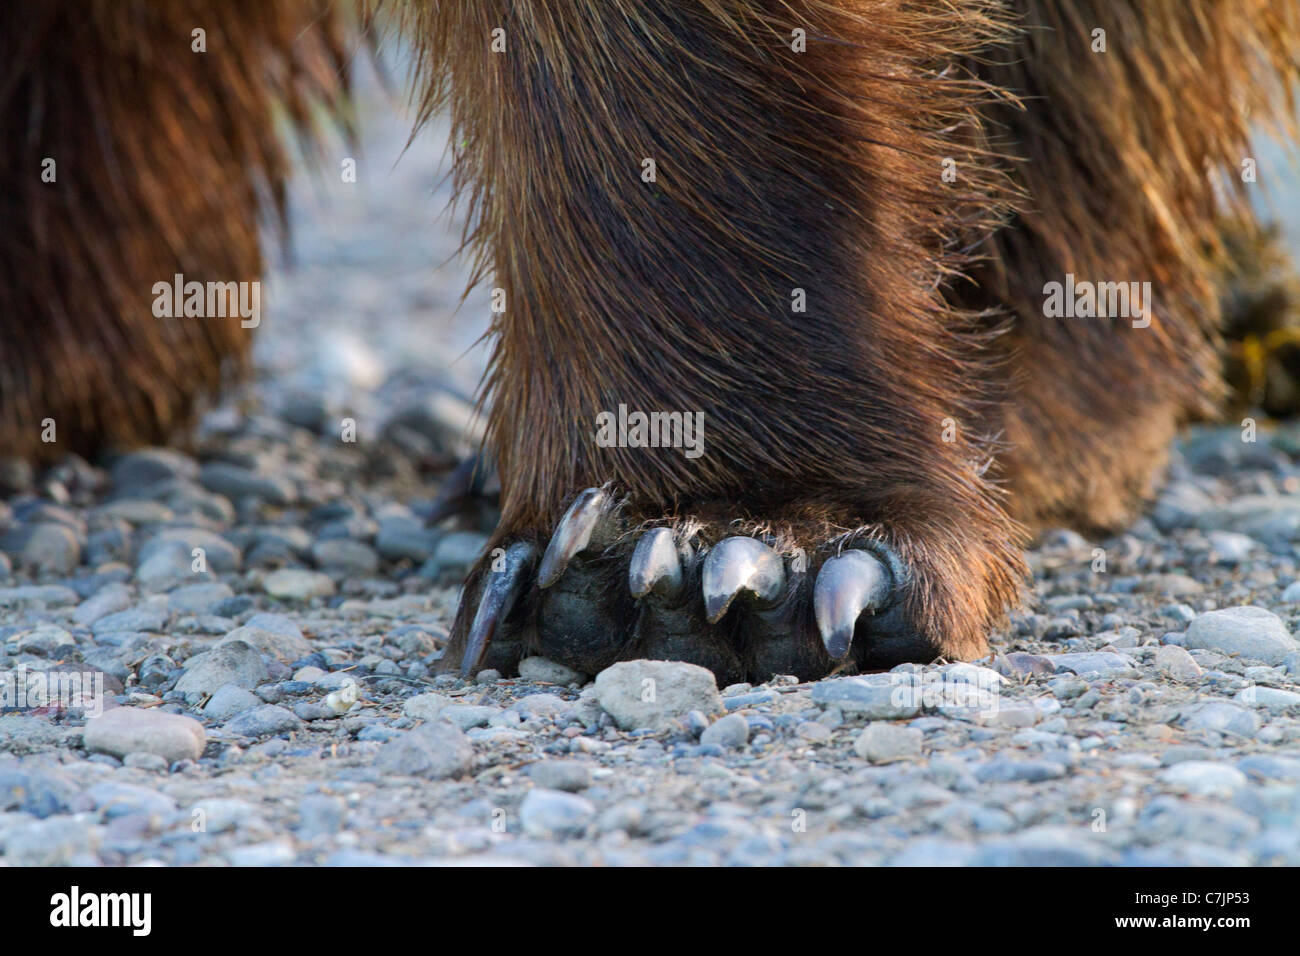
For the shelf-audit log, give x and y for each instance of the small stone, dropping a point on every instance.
(455, 553)
(1174, 661)
(435, 751)
(284, 647)
(551, 814)
(234, 481)
(727, 732)
(1273, 699)
(885, 742)
(468, 716)
(567, 775)
(60, 841)
(426, 706)
(655, 694)
(345, 556)
(295, 584)
(146, 761)
(127, 730)
(878, 697)
(320, 815)
(1203, 778)
(228, 700)
(1223, 717)
(264, 721)
(1247, 631)
(1008, 770)
(1095, 664)
(549, 672)
(231, 662)
(51, 549)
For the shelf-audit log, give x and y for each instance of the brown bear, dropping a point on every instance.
(814, 309)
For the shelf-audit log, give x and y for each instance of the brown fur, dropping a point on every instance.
(777, 170)
(922, 399)
(164, 158)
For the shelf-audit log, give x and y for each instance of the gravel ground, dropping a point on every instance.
(268, 699)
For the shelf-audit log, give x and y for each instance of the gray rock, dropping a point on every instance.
(567, 775)
(656, 694)
(41, 793)
(1203, 778)
(551, 814)
(231, 662)
(454, 553)
(128, 730)
(727, 732)
(1046, 846)
(1223, 717)
(142, 617)
(435, 751)
(546, 671)
(295, 584)
(228, 700)
(140, 470)
(198, 598)
(51, 549)
(1007, 770)
(427, 706)
(320, 815)
(1104, 664)
(468, 716)
(107, 600)
(264, 721)
(875, 697)
(60, 841)
(403, 540)
(48, 595)
(345, 556)
(884, 742)
(1250, 632)
(283, 646)
(1273, 699)
(218, 554)
(1174, 661)
(236, 482)
(46, 640)
(167, 566)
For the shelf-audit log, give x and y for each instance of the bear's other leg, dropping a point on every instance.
(734, 210)
(1135, 141)
(140, 142)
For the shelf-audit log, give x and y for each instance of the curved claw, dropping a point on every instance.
(572, 534)
(655, 565)
(847, 585)
(502, 590)
(739, 564)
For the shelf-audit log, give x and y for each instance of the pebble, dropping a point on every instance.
(282, 645)
(265, 720)
(549, 672)
(345, 556)
(1223, 717)
(552, 814)
(885, 743)
(129, 730)
(567, 775)
(295, 584)
(1174, 661)
(435, 751)
(1272, 699)
(228, 700)
(1250, 632)
(656, 694)
(1203, 778)
(871, 698)
(230, 662)
(727, 732)
(51, 549)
